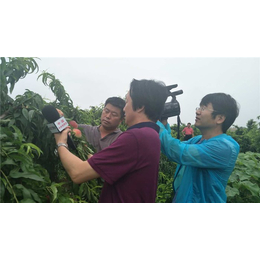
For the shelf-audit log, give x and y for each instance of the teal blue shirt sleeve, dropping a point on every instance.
(213, 153)
(163, 127)
(167, 127)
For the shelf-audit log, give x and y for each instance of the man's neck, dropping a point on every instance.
(209, 133)
(104, 132)
(140, 120)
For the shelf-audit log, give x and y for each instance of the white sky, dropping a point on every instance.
(90, 81)
(94, 35)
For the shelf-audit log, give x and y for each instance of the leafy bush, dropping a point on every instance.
(165, 180)
(29, 170)
(244, 182)
(22, 180)
(248, 137)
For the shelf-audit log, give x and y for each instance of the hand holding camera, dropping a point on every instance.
(171, 108)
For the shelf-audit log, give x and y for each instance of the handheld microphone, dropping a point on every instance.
(52, 116)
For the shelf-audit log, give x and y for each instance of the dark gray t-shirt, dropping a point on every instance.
(93, 136)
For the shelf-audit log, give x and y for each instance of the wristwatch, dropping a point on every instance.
(57, 146)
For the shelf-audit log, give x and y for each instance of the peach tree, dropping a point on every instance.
(29, 170)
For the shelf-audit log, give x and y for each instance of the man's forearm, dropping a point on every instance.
(78, 170)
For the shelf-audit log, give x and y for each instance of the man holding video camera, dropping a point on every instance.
(205, 162)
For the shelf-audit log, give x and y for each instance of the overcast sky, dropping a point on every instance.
(90, 81)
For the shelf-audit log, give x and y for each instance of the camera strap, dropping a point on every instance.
(178, 126)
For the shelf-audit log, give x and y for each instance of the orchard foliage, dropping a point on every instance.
(165, 180)
(248, 137)
(30, 172)
(244, 182)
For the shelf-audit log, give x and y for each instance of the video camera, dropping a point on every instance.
(172, 108)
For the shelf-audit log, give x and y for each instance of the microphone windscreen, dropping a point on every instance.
(50, 113)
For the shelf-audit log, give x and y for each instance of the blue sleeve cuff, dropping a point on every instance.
(163, 127)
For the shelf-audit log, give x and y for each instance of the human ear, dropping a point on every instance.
(221, 119)
(141, 109)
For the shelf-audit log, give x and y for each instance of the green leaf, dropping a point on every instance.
(16, 174)
(3, 136)
(12, 122)
(30, 115)
(35, 196)
(25, 113)
(252, 187)
(231, 192)
(28, 146)
(19, 157)
(8, 161)
(63, 199)
(88, 193)
(81, 189)
(4, 181)
(2, 190)
(18, 132)
(54, 191)
(59, 184)
(16, 115)
(256, 174)
(244, 177)
(26, 192)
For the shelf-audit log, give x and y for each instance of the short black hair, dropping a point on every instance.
(117, 102)
(223, 104)
(149, 94)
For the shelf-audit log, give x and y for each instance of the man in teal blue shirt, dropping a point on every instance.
(205, 162)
